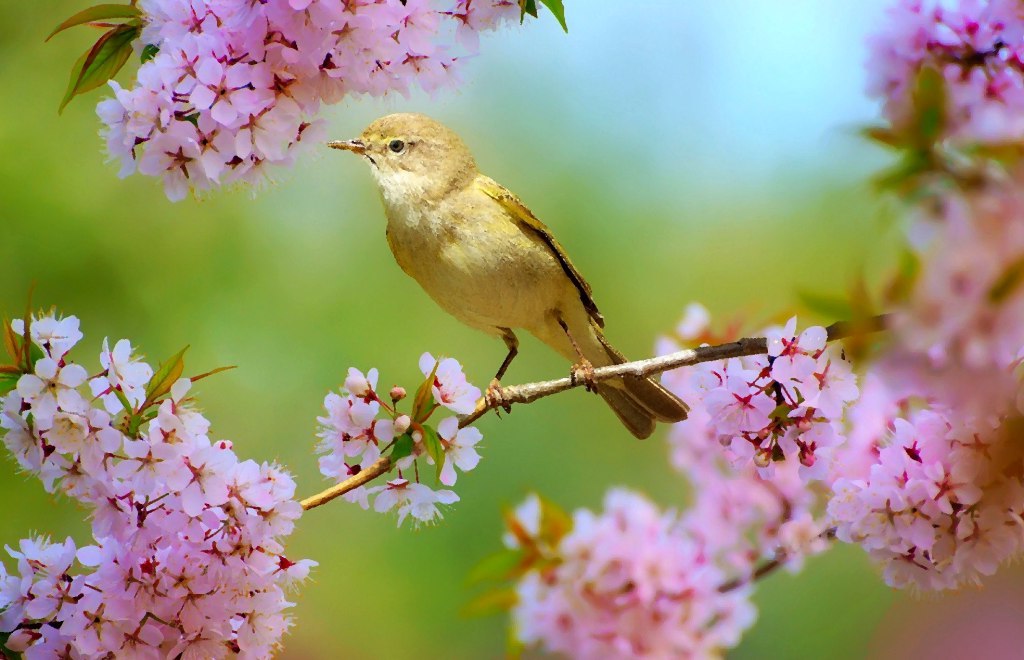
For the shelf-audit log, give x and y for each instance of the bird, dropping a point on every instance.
(486, 259)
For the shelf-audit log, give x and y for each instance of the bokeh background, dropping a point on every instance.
(702, 150)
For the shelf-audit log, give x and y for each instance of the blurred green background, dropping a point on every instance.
(680, 151)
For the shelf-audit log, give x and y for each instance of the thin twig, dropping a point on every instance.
(531, 392)
(768, 567)
(381, 466)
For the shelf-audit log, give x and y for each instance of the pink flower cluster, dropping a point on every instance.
(360, 426)
(978, 48)
(743, 513)
(966, 304)
(767, 408)
(628, 582)
(234, 84)
(187, 558)
(943, 504)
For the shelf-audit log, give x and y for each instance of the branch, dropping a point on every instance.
(768, 567)
(531, 392)
(381, 466)
(750, 346)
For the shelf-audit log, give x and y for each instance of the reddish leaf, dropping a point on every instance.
(101, 62)
(97, 13)
(161, 382)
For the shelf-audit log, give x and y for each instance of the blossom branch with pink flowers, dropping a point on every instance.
(530, 392)
(909, 448)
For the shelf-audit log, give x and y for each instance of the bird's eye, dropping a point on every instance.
(396, 146)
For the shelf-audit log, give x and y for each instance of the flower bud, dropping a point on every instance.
(402, 423)
(397, 394)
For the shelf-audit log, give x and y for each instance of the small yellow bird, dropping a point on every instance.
(489, 262)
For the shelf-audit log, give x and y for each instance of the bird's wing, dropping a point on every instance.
(525, 218)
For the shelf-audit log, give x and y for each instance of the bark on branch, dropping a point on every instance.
(530, 392)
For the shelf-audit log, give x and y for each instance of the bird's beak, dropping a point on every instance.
(355, 146)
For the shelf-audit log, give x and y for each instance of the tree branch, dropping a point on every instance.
(531, 392)
(381, 466)
(768, 567)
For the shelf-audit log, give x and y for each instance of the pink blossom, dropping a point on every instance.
(52, 387)
(56, 336)
(123, 373)
(187, 546)
(932, 510)
(411, 498)
(459, 448)
(236, 86)
(629, 582)
(977, 48)
(450, 388)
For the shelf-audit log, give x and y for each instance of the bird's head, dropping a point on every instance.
(413, 157)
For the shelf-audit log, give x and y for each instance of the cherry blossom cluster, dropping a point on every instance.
(231, 86)
(943, 504)
(187, 557)
(360, 426)
(965, 305)
(924, 476)
(741, 512)
(975, 46)
(631, 581)
(764, 409)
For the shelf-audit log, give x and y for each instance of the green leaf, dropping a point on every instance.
(497, 567)
(781, 412)
(554, 522)
(212, 372)
(149, 51)
(11, 342)
(432, 443)
(125, 403)
(8, 382)
(423, 395)
(1009, 281)
(913, 163)
(832, 307)
(929, 103)
(901, 284)
(35, 354)
(97, 13)
(527, 7)
(161, 382)
(27, 336)
(558, 10)
(401, 449)
(491, 602)
(883, 135)
(101, 62)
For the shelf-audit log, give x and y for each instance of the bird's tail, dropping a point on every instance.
(639, 402)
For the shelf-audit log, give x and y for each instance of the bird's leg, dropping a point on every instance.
(582, 371)
(495, 396)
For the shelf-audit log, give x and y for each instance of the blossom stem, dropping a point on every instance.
(383, 465)
(530, 392)
(767, 568)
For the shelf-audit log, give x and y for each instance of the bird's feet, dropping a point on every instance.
(583, 373)
(495, 397)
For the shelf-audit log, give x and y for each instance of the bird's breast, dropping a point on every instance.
(475, 262)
